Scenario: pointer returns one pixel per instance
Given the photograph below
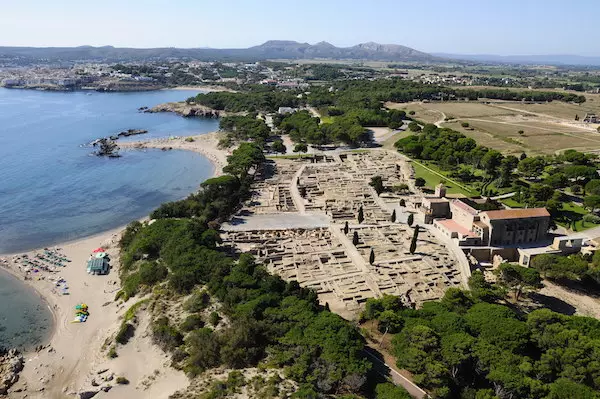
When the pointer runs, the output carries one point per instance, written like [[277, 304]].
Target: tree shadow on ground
[[553, 303]]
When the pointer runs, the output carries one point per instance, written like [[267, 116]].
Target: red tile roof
[[517, 213]]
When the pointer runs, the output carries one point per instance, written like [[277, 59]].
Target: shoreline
[[73, 353]]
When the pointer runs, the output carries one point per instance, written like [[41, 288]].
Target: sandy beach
[[75, 359], [205, 144]]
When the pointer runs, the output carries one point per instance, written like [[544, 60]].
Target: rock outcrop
[[11, 364], [187, 110]]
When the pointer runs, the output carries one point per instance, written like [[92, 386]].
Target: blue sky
[[459, 26]]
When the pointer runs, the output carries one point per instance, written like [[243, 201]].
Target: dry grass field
[[547, 128]]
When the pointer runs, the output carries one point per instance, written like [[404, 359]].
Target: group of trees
[[247, 127], [255, 98], [466, 347], [306, 129], [569, 268]]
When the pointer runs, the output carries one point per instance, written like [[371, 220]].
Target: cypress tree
[[361, 215], [346, 228], [372, 257], [413, 242], [402, 202], [410, 220], [355, 238], [393, 216]]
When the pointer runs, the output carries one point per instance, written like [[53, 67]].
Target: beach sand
[[205, 144], [75, 354]]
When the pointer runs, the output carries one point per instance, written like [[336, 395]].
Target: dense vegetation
[[247, 127], [256, 98], [465, 347], [304, 128]]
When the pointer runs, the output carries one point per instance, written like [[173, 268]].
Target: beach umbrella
[[98, 250]]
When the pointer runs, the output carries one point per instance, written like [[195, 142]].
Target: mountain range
[[277, 49], [273, 49]]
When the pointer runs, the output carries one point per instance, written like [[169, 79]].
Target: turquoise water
[[52, 190], [25, 320]]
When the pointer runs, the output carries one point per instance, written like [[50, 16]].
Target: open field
[[547, 128]]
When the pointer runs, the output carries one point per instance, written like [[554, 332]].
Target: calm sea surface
[[52, 190]]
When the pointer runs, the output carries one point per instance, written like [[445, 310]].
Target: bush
[[414, 127], [197, 302], [165, 335], [420, 182], [465, 124], [411, 112], [192, 322], [301, 147], [125, 333], [122, 380], [189, 139], [112, 352], [152, 273], [214, 319], [591, 218]]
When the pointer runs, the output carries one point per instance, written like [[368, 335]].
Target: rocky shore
[[11, 364], [187, 110]]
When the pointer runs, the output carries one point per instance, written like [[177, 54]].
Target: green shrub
[[122, 380], [591, 218], [214, 319], [112, 352], [125, 333], [192, 322], [197, 302], [189, 139], [165, 335], [152, 273]]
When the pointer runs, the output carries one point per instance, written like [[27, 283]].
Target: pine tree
[[346, 228], [393, 216], [361, 215], [355, 238], [372, 257], [413, 242], [410, 220]]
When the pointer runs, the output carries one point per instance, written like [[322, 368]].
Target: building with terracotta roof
[[494, 228], [516, 226]]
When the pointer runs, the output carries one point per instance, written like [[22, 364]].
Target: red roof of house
[[517, 213], [451, 225]]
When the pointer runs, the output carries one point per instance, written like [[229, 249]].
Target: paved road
[[386, 371]]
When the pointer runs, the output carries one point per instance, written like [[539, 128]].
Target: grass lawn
[[433, 180], [571, 211], [512, 203]]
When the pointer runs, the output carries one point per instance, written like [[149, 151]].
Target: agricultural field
[[515, 127]]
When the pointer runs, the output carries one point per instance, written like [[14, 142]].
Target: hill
[[549, 59], [273, 49]]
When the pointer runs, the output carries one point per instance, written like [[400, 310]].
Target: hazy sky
[[453, 26]]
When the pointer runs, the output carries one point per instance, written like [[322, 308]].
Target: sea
[[53, 190]]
